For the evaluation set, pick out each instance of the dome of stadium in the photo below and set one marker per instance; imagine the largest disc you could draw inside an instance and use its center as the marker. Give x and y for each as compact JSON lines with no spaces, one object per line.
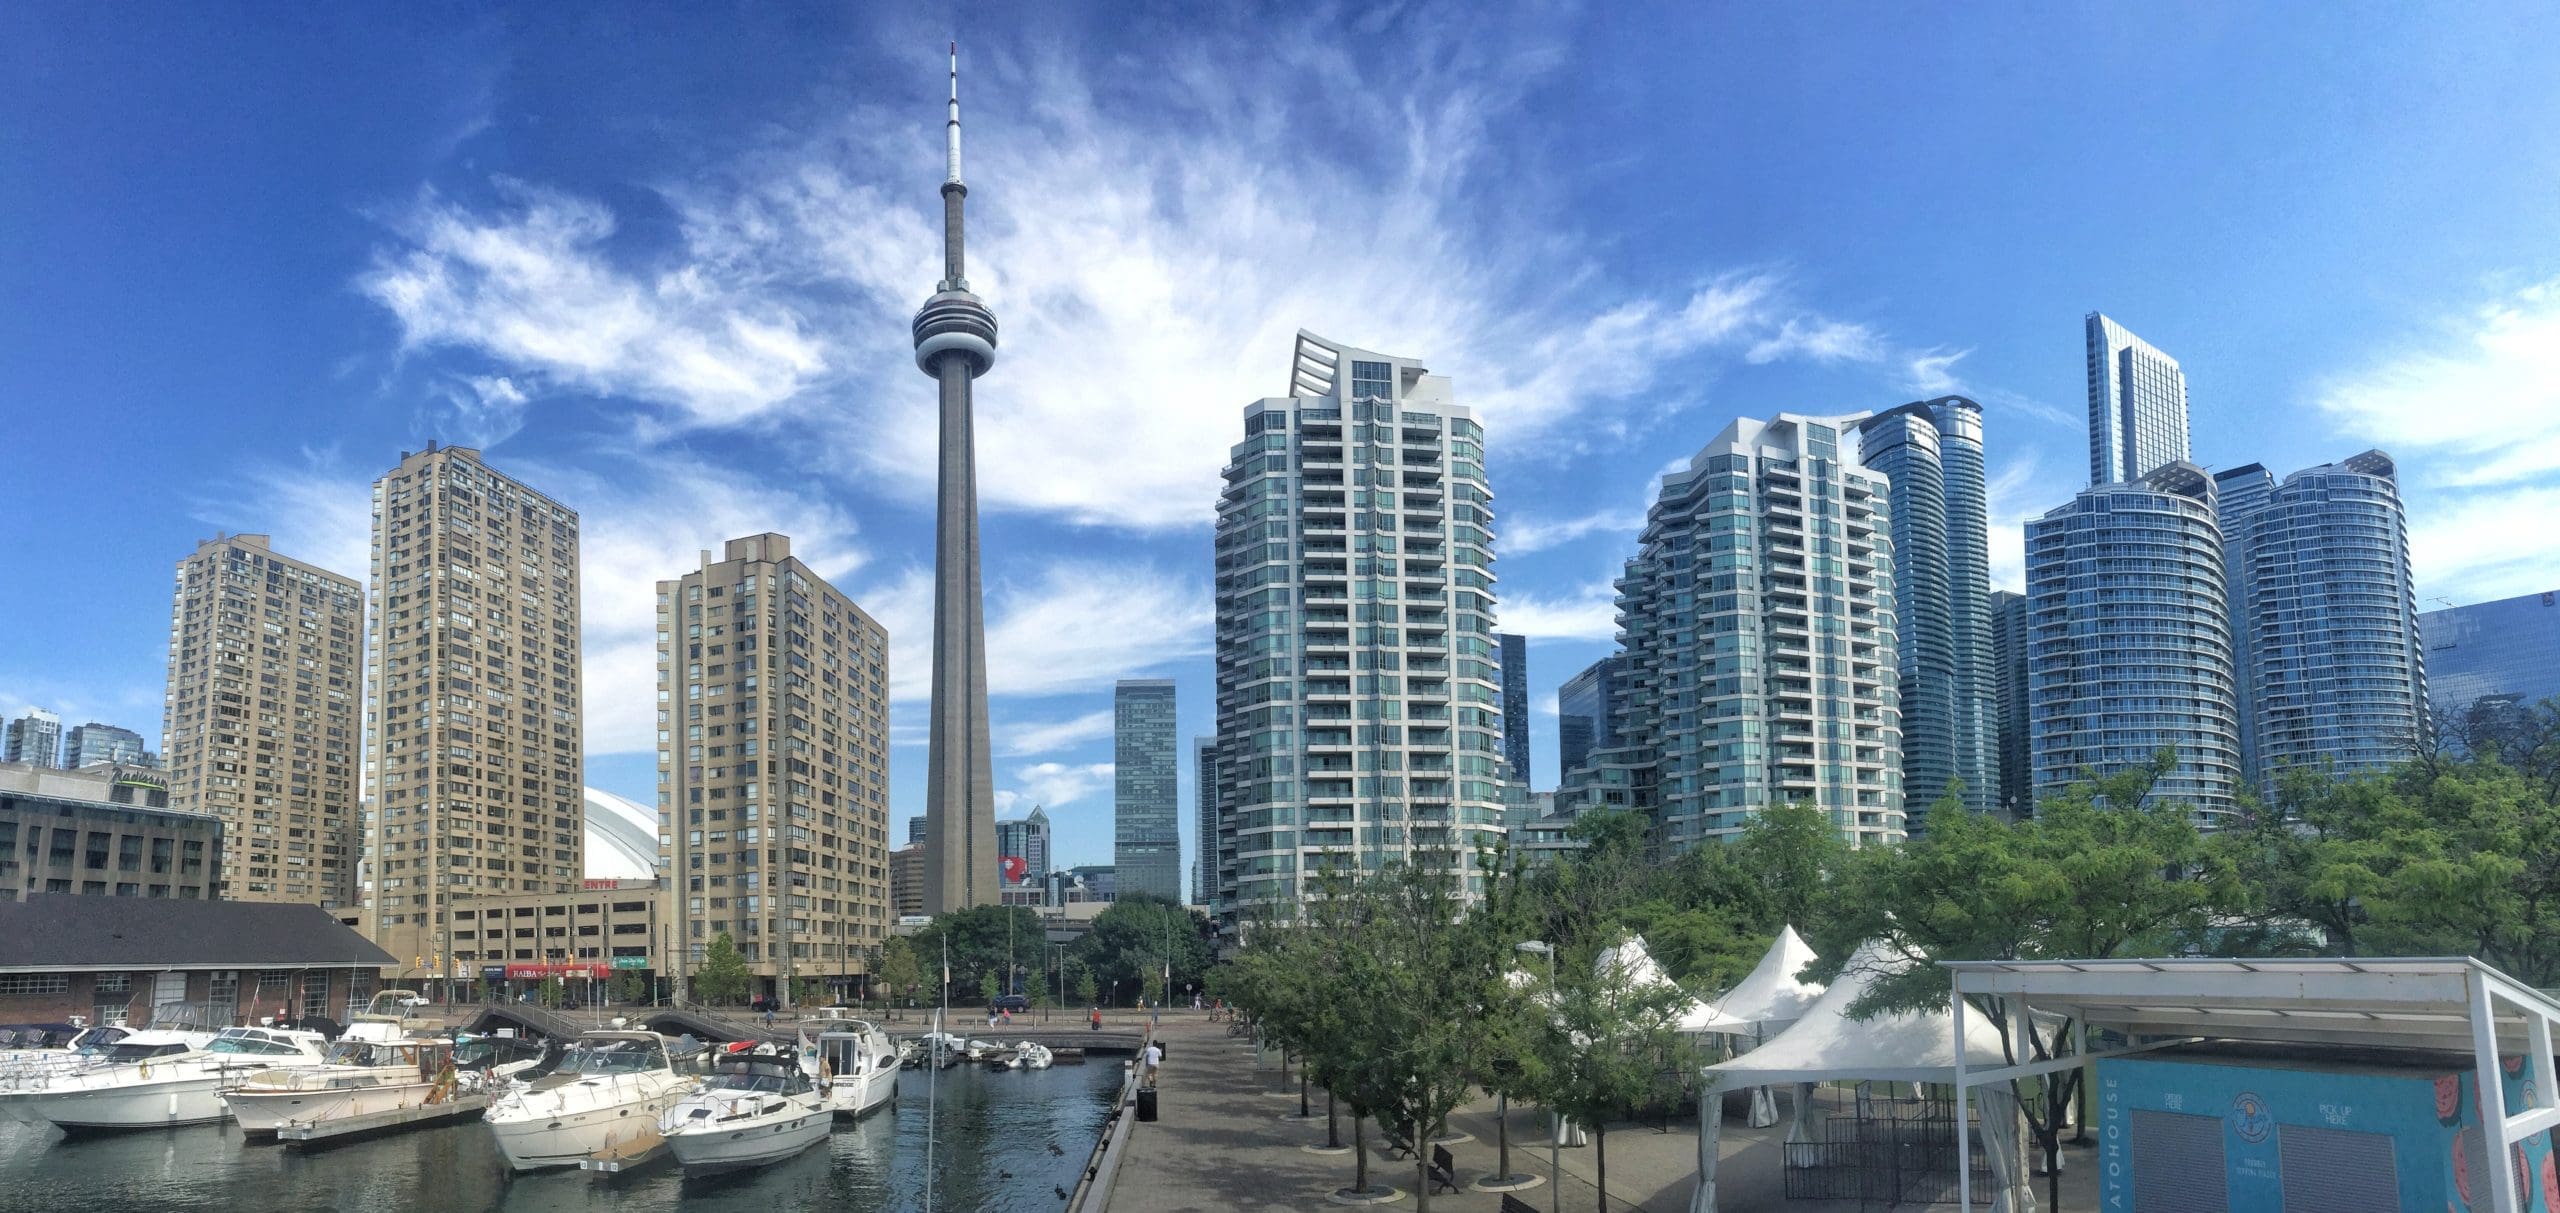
{"x":622,"y":838}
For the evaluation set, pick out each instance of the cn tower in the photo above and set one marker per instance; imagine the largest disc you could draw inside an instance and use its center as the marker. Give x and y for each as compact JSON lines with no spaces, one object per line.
{"x":955,"y":343}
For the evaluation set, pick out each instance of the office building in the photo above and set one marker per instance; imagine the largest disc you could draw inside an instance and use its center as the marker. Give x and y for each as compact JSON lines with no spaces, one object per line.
{"x":1359,"y":702}
{"x":2137,"y":405}
{"x":2488,"y":664}
{"x":1930,"y":453}
{"x":506,"y":946}
{"x":2324,"y":619}
{"x":95,"y":745}
{"x":774,"y":765}
{"x":955,"y":340}
{"x":906,"y":881}
{"x":474,"y":698}
{"x":1100,"y":881}
{"x":2129,"y":646}
{"x":1759,"y":667}
{"x":1515,"y":705}
{"x":262,"y":717}
{"x":915,"y":830}
{"x":1204,"y":827}
{"x":1584,"y":719}
{"x":1146,"y":804}
{"x":1025,"y":838}
{"x":34,"y":739}
{"x":103,"y":832}
{"x":2009,"y":660}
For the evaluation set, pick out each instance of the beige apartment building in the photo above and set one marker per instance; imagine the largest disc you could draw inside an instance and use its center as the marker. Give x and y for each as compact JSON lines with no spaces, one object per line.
{"x":474,"y":746}
{"x":773,"y":766}
{"x":259,"y":724}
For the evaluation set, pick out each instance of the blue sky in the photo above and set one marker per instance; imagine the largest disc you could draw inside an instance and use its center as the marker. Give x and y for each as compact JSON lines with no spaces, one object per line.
{"x":659,"y":262}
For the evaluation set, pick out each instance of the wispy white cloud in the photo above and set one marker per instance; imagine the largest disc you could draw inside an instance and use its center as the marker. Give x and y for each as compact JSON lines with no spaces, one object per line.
{"x":1931,"y":372}
{"x":1523,"y":534}
{"x":1146,"y":255}
{"x":1065,"y":626}
{"x":1055,"y":783}
{"x":1590,"y":613}
{"x":2483,"y":395}
{"x":2472,"y":414}
{"x":2014,"y":498}
{"x":1022,"y":739}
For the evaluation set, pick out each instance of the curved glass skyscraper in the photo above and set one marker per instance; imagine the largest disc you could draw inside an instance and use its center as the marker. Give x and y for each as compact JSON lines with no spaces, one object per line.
{"x":2332,"y":667}
{"x":1932,"y":453}
{"x":2129,"y":644}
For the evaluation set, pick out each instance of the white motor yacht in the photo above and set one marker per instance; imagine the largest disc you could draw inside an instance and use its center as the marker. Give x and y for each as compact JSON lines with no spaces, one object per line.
{"x":28,"y":1075}
{"x":28,"y":1049}
{"x":161,"y":1087}
{"x":389,"y":1015}
{"x":857,"y":1068}
{"x":1029,"y":1056}
{"x":358,"y":1076}
{"x":757,"y":1107}
{"x":607,"y":1087}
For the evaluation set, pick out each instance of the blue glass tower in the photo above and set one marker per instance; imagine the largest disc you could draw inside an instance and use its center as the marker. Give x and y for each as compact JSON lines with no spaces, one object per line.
{"x":1932,"y":453}
{"x":2488,"y":661}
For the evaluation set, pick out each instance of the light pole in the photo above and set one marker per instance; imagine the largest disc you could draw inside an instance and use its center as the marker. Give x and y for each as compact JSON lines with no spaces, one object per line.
{"x":1555,"y":1136}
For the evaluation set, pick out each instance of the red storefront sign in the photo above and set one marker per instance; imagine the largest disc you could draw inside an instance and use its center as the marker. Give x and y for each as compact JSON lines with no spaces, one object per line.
{"x":581,"y":969}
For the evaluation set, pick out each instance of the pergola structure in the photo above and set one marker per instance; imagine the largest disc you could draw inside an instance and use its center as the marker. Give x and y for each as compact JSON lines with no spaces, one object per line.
{"x":2450,"y":1003}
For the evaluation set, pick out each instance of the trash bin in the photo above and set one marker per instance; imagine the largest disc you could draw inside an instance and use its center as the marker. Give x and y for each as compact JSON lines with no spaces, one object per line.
{"x":1146,"y":1103}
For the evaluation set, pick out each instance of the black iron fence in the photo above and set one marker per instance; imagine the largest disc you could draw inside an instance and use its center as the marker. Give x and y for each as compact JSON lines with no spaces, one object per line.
{"x":1890,"y":1152}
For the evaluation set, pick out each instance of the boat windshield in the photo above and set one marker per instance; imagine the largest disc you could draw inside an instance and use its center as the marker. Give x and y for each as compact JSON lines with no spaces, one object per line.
{"x":356,"y":1053}
{"x":610,"y":1057}
{"x":131,"y":1052}
{"x":748,"y":1080}
{"x":261,"y":1045}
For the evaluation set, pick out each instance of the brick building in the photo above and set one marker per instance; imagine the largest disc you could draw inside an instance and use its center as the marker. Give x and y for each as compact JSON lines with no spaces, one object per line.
{"x":134,"y":959}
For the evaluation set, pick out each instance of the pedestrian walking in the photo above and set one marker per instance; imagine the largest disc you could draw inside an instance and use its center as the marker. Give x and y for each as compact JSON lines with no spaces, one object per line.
{"x":1155,"y":1057}
{"x":1096,"y":1013}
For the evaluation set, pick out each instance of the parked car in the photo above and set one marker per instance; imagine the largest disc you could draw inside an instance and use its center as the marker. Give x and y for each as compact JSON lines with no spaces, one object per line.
{"x":1010,"y":1002}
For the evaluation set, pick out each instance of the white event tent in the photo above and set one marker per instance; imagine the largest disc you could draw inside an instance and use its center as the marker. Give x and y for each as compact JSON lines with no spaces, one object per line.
{"x":1762,"y":1006}
{"x":1826,"y":1045}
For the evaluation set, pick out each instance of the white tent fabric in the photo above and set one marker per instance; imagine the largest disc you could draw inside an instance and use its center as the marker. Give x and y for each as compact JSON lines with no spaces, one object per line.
{"x":1771,"y":994}
{"x":1825,"y":1045}
{"x":1631,"y":966}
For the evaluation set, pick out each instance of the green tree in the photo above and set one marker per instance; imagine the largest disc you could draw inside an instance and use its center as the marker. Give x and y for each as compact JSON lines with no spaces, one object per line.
{"x":999,"y":940}
{"x":722,"y":980}
{"x":1131,"y":942}
{"x":1086,"y":992}
{"x":1603,"y":1047}
{"x":988,"y":988}
{"x":900,"y":976}
{"x":629,"y":987}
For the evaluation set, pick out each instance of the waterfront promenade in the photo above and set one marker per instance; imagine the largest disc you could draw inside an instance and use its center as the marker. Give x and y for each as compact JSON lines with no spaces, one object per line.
{"x":1222,"y":1143}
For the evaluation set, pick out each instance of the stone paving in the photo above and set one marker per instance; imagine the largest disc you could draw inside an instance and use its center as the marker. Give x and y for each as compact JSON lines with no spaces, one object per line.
{"x":1227,"y":1139}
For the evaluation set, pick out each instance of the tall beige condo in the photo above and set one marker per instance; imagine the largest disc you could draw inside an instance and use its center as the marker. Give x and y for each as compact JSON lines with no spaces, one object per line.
{"x":259,"y":726}
{"x":773,"y":767}
{"x":475,"y":747}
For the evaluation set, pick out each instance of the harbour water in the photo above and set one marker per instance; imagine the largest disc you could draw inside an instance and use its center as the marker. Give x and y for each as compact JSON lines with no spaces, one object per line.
{"x":993,"y":1153}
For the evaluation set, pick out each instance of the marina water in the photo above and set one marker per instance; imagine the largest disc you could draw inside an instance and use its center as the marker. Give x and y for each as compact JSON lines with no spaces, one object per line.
{"x":995,"y":1133}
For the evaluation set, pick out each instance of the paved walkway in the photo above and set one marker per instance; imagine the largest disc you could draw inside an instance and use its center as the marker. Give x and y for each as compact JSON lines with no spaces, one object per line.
{"x":1227,"y":1140}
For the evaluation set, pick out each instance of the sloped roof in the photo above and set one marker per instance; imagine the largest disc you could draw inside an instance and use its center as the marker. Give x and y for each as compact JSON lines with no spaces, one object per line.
{"x":1828,"y":1046}
{"x":1771,"y":994}
{"x":1631,"y":965}
{"x":64,"y":931}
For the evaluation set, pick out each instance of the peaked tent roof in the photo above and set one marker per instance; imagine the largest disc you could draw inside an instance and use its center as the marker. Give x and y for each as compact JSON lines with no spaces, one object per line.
{"x":64,"y":931}
{"x":1771,"y":994}
{"x":1637,"y":969}
{"x":1828,"y":1046}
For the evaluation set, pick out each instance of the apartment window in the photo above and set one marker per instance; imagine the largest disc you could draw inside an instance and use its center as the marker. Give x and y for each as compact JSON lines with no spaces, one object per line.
{"x":35,"y":983}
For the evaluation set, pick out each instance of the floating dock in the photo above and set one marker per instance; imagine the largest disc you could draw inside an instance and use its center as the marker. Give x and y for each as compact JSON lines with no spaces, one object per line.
{"x":336,"y":1128}
{"x":630,"y":1154}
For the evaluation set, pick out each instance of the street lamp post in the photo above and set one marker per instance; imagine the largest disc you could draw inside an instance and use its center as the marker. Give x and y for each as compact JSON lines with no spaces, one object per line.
{"x":1555,"y":1120}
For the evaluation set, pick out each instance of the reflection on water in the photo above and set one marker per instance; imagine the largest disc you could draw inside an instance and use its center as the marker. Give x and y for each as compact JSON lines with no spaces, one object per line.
{"x":995,"y":1133}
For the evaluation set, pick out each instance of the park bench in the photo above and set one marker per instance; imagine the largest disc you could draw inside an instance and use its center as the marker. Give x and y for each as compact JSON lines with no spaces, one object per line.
{"x":1444,"y":1170}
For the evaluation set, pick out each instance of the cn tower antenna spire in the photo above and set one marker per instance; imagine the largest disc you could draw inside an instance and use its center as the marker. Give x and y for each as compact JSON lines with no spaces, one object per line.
{"x":954,"y":124}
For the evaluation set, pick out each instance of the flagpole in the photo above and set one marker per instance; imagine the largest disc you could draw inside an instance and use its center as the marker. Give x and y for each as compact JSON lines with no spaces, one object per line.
{"x":933,"y":1063}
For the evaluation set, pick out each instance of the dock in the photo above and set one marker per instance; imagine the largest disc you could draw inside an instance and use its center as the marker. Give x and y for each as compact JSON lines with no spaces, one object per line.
{"x":320,"y":1132}
{"x":631,"y":1154}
